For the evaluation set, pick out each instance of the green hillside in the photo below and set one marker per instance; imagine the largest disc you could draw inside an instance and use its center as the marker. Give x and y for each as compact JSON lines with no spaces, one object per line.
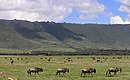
{"x":9,"y":38}
{"x":53,"y":36}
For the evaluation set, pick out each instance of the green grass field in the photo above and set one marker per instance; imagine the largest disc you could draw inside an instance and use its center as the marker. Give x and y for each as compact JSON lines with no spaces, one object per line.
{"x":20,"y":66}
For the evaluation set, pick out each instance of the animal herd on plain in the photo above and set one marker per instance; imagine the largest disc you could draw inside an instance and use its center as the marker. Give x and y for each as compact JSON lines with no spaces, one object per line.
{"x":110,"y":72}
{"x":88,"y":71}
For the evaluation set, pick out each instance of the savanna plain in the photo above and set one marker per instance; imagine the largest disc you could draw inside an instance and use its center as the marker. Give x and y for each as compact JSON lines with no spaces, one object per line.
{"x":18,"y":70}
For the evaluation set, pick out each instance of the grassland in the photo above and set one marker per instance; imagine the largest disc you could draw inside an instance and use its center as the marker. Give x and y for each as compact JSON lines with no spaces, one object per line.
{"x":23,"y":63}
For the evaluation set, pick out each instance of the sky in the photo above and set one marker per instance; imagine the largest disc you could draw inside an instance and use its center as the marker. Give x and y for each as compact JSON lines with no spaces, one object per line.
{"x":70,"y":11}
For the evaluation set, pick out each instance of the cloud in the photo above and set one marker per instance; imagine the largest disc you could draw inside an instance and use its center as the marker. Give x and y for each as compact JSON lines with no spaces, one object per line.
{"x":49,"y":10}
{"x":125,"y":2}
{"x":125,"y":7}
{"x":33,"y":10}
{"x":88,"y":9}
{"x":118,"y":20}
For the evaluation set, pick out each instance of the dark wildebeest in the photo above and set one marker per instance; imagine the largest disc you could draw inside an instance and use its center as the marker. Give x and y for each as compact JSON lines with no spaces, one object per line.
{"x":89,"y":71}
{"x":98,"y":60}
{"x":62,"y":70}
{"x":12,"y":61}
{"x":113,"y":70}
{"x":35,"y":70}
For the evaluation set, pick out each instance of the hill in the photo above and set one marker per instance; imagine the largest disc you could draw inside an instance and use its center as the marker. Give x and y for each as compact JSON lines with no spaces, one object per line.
{"x":9,"y":38}
{"x":54,"y":36}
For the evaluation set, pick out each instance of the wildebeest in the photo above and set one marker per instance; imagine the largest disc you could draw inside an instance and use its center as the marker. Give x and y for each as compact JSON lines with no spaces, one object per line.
{"x":12,"y":61}
{"x":93,"y":58}
{"x":35,"y":70}
{"x":62,"y":70}
{"x":113,"y":70}
{"x":88,"y":70}
{"x":98,"y":60}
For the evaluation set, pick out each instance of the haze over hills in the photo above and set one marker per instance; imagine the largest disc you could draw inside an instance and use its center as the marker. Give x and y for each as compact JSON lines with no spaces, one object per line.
{"x":18,"y":34}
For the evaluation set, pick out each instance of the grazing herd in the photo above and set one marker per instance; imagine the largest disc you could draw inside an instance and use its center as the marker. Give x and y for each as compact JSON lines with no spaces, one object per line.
{"x":110,"y":72}
{"x":88,"y":71}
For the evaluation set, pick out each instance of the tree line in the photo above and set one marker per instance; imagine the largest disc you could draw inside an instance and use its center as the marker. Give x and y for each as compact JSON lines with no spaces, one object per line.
{"x":87,"y":52}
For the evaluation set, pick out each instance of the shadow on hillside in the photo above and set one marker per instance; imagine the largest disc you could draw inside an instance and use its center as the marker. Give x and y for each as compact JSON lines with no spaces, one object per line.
{"x":61,"y":33}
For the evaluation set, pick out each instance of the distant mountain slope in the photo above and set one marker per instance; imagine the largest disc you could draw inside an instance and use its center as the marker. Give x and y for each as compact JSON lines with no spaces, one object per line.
{"x":65,"y":35}
{"x":9,"y":38}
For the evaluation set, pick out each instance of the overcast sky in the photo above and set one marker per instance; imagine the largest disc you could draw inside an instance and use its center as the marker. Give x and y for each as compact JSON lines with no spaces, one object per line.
{"x":75,"y":11}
